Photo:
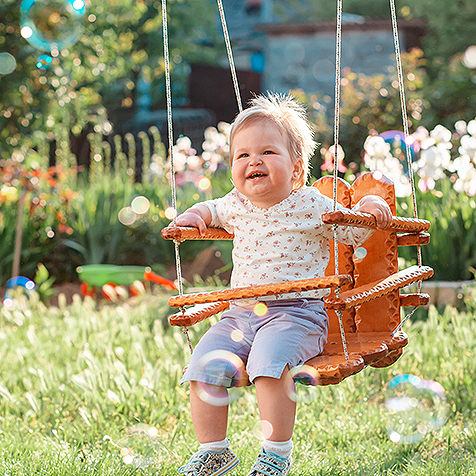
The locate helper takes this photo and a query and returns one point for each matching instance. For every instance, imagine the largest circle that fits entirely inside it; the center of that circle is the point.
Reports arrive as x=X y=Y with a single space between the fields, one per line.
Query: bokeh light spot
x=140 y=205
x=260 y=309
x=204 y=184
x=127 y=216
x=170 y=213
x=236 y=335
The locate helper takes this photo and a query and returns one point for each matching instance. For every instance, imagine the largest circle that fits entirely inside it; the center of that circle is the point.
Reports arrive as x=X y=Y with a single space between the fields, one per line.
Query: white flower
x=433 y=161
x=466 y=172
x=440 y=136
x=183 y=144
x=468 y=146
x=376 y=147
x=194 y=162
x=460 y=127
x=471 y=127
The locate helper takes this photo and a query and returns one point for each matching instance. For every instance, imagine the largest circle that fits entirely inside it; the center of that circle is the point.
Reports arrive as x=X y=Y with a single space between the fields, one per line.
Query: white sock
x=215 y=445
x=281 y=448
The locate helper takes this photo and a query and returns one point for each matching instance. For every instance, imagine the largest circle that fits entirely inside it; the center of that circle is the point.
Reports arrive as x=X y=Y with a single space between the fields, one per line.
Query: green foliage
x=95 y=78
x=452 y=248
x=369 y=105
x=76 y=378
x=43 y=283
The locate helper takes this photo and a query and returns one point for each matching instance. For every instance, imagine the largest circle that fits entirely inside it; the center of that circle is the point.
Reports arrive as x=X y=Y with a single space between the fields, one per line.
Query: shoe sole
x=231 y=464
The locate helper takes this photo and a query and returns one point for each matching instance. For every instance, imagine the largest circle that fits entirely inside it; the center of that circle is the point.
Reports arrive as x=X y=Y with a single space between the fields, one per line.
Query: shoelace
x=266 y=462
x=195 y=461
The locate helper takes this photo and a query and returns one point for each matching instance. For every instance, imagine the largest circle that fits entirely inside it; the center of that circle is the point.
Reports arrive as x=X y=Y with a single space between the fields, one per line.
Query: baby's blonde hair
x=290 y=118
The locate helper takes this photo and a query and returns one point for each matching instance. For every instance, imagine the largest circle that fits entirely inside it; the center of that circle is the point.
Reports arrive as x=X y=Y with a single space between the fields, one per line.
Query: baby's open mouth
x=256 y=175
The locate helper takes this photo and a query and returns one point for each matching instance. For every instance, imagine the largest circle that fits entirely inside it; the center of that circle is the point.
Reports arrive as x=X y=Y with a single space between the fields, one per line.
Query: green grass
x=74 y=379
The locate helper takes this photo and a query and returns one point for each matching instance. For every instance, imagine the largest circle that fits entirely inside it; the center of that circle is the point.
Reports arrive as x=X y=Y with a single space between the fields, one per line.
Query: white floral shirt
x=284 y=242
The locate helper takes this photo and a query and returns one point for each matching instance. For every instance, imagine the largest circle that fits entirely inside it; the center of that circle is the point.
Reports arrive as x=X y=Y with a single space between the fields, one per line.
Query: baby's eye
x=267 y=152
x=242 y=155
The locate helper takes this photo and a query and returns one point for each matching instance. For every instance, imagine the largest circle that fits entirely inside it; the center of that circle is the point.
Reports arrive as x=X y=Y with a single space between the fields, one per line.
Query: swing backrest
x=380 y=261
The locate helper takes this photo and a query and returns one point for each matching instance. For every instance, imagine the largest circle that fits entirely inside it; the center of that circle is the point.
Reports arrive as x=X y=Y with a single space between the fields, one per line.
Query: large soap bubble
x=8 y=63
x=51 y=25
x=415 y=407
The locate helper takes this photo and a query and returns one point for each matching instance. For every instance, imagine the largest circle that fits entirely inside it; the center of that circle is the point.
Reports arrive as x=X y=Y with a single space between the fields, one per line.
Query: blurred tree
x=95 y=79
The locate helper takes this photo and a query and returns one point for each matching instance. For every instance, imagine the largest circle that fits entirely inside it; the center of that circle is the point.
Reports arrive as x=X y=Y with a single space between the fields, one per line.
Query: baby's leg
x=277 y=411
x=209 y=421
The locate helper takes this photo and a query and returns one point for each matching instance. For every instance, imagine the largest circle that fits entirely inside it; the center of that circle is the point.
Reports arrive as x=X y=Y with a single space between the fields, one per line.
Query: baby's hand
x=377 y=207
x=191 y=218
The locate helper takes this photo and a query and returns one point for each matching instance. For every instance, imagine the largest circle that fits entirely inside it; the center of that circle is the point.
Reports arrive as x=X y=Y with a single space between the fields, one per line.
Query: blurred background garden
x=85 y=179
x=83 y=125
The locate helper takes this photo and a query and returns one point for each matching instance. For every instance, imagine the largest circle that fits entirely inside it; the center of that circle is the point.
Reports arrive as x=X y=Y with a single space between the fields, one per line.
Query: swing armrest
x=197 y=313
x=370 y=291
x=182 y=233
x=256 y=291
x=366 y=220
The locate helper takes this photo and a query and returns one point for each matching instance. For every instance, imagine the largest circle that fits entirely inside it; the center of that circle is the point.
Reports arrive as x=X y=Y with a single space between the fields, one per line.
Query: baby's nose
x=255 y=159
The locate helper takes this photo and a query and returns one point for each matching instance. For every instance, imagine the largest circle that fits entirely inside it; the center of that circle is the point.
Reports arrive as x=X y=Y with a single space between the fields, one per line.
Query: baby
x=278 y=236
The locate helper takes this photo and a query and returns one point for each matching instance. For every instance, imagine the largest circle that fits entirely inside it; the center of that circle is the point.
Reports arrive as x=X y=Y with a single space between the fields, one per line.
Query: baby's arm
x=198 y=216
x=377 y=207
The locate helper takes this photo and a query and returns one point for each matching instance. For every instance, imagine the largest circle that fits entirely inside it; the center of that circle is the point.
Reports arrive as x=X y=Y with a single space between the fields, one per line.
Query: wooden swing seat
x=370 y=300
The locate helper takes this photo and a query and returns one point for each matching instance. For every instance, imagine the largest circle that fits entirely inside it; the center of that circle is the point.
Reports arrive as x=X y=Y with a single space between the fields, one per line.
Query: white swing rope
x=408 y=155
x=336 y=145
x=168 y=93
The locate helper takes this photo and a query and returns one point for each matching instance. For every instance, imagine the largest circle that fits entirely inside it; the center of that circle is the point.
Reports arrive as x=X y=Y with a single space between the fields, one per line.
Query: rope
x=230 y=55
x=336 y=145
x=403 y=108
x=168 y=93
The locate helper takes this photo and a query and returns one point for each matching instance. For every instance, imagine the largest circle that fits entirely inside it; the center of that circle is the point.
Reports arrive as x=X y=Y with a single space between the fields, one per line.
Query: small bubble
x=8 y=63
x=221 y=364
x=360 y=253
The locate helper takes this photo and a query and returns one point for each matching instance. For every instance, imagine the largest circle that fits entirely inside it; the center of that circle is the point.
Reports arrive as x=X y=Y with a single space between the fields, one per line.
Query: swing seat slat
x=370 y=291
x=249 y=292
x=197 y=313
x=413 y=239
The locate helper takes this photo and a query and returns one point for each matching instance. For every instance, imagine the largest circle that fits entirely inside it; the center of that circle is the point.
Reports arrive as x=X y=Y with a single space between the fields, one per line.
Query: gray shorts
x=290 y=333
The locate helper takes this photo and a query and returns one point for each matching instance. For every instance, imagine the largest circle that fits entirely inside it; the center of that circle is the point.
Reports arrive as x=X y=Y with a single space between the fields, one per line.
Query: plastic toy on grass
x=13 y=285
x=112 y=280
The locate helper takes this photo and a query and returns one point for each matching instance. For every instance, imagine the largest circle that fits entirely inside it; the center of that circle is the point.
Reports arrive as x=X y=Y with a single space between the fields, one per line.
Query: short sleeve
x=221 y=211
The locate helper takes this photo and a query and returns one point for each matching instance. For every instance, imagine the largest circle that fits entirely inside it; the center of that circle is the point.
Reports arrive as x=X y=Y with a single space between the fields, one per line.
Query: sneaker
x=210 y=463
x=270 y=464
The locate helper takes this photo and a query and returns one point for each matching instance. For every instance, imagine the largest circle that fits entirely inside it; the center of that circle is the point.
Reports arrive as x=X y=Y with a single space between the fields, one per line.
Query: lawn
x=81 y=381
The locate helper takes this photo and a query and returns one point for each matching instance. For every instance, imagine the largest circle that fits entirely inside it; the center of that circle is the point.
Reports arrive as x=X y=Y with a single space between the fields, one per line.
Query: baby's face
x=262 y=168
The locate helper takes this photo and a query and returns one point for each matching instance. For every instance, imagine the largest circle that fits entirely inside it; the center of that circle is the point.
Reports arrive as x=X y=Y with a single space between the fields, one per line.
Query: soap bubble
x=221 y=363
x=51 y=24
x=8 y=63
x=306 y=375
x=360 y=253
x=44 y=61
x=141 y=447
x=414 y=407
